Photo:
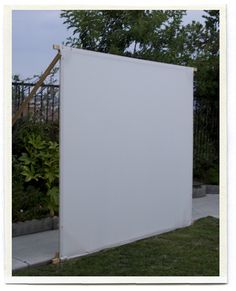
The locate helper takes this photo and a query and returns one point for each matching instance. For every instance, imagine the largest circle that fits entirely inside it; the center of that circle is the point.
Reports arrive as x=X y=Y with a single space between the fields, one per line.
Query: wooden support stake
x=36 y=87
x=56 y=47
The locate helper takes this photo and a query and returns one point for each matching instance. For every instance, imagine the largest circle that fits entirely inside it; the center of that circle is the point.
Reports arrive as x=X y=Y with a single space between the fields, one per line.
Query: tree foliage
x=140 y=33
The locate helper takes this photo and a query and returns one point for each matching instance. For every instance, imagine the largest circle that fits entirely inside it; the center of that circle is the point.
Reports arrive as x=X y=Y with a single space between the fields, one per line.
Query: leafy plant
x=40 y=166
x=27 y=203
x=29 y=199
x=25 y=126
x=212 y=175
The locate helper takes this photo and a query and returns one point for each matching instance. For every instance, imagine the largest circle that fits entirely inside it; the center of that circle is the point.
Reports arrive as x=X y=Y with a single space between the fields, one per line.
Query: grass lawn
x=189 y=251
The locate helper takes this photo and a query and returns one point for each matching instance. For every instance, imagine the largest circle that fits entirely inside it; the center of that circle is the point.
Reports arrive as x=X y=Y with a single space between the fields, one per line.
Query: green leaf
x=25 y=159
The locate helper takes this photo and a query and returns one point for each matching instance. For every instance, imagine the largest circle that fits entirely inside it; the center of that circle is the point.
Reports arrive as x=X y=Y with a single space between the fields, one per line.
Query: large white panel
x=126 y=150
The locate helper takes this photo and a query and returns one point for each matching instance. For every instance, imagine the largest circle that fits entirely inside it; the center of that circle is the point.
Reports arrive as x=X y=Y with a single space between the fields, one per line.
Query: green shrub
x=212 y=176
x=34 y=197
x=27 y=203
x=27 y=199
x=23 y=127
x=206 y=165
x=39 y=165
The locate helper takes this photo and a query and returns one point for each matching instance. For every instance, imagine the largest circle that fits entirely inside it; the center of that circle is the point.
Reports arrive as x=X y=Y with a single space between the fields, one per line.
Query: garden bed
x=34 y=226
x=200 y=190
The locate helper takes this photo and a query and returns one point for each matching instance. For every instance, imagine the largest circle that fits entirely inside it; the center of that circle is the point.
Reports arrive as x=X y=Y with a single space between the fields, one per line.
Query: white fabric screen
x=125 y=150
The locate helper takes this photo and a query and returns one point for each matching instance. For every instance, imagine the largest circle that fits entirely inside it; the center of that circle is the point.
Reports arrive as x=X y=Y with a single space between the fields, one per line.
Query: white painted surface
x=126 y=150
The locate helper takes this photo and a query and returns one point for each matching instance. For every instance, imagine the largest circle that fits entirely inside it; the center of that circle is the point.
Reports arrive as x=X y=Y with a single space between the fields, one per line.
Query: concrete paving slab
x=34 y=249
x=18 y=264
x=206 y=206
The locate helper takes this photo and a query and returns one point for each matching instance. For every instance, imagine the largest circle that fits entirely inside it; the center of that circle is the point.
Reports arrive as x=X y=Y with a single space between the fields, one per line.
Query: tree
x=152 y=35
x=207 y=60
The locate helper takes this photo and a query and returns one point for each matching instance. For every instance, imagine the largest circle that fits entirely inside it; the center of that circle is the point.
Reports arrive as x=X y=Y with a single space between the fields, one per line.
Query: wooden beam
x=36 y=87
x=56 y=47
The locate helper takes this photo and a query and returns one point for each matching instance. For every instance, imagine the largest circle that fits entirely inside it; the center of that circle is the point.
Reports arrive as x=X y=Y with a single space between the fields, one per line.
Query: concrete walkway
x=206 y=206
x=40 y=248
x=34 y=249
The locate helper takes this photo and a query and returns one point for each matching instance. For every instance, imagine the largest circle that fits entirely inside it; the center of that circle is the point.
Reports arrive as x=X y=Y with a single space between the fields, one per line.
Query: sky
x=35 y=31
